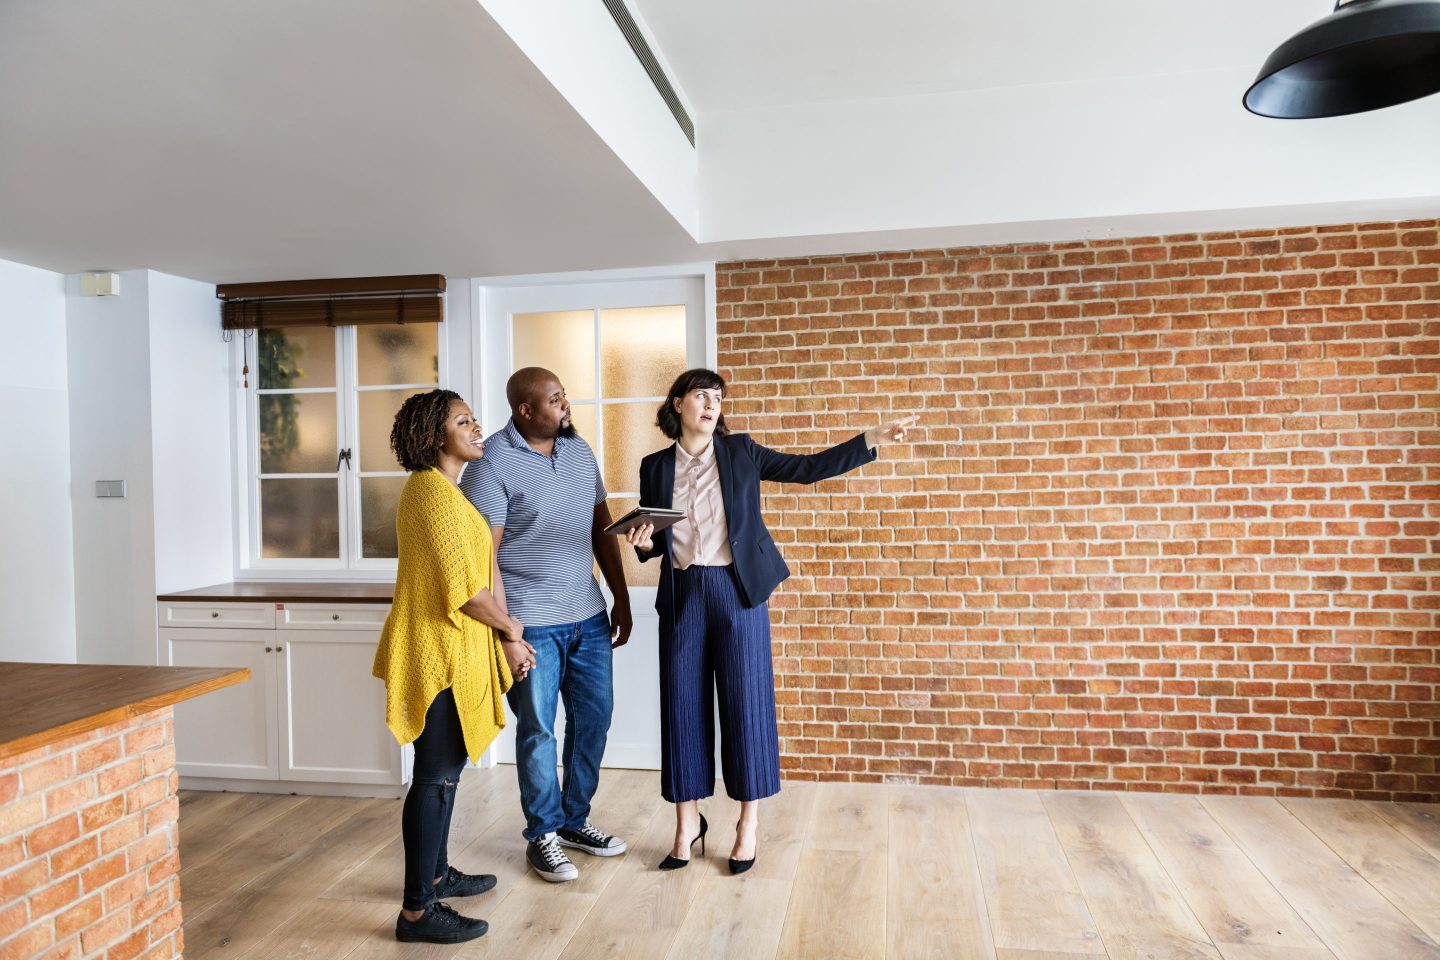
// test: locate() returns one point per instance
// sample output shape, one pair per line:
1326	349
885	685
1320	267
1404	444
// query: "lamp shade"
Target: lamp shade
1366	55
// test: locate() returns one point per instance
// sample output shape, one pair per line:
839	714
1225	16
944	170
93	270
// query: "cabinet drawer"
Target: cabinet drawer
256	616
330	616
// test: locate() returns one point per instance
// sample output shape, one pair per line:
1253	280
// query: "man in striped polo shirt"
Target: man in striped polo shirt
539	486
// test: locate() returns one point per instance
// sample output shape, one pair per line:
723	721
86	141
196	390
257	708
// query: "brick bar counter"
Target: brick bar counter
89	846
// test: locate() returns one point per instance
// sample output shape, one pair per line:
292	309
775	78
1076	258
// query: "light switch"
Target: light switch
109	488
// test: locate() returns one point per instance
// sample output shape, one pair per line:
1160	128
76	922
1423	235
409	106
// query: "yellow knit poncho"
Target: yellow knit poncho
427	644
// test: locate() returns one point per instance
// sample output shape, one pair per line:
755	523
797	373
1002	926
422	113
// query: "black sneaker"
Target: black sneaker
439	924
547	859
592	841
457	884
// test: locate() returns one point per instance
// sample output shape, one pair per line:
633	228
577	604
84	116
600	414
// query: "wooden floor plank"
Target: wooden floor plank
843	871
837	906
936	903
254	854
1353	919
325	930
1137	909
639	912
744	915
292	884
535	921
1033	900
1406	874
1418	821
1243	914
851	816
228	822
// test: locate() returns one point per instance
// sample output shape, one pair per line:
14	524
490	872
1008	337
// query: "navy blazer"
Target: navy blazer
742	464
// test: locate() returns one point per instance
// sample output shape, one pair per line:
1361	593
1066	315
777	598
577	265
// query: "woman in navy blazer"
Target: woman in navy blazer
714	623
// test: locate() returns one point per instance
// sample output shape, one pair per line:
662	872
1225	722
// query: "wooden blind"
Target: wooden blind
332	303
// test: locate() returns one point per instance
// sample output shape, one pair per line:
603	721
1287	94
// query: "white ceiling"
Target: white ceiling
743	54
274	139
233	140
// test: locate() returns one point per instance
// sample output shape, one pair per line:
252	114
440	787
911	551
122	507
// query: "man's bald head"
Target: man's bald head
538	407
528	385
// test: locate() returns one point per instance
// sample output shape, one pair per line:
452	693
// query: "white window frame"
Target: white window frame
245	408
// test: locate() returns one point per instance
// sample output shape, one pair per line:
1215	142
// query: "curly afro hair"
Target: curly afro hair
420	428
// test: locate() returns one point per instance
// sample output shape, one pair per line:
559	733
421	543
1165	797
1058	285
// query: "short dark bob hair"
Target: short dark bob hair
420	428
668	420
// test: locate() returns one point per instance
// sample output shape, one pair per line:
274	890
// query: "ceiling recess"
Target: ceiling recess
627	26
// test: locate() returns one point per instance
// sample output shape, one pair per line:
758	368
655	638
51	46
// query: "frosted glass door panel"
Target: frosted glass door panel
397	353
300	518
379	497
377	420
297	432
562	342
630	434
295	358
582	415
642	350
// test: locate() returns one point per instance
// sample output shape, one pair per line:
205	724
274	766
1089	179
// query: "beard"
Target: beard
566	429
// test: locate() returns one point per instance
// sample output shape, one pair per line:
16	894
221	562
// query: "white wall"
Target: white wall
37	574
149	376
109	364
190	435
1176	147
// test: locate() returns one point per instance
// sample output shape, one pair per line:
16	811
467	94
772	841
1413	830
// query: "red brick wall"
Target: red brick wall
88	846
1171	521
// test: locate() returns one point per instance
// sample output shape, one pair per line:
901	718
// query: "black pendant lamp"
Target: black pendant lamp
1366	55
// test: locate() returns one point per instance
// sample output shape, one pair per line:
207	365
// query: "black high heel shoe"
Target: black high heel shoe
740	866
675	863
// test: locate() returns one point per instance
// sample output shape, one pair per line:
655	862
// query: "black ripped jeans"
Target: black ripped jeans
425	821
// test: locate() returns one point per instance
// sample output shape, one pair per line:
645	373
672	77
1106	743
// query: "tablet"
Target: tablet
661	517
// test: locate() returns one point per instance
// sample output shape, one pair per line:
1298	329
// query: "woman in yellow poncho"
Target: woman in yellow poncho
448	651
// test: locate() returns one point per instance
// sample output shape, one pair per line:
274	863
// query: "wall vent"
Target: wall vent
627	26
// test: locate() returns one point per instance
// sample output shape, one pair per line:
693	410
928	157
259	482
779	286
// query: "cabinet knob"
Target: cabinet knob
334	616
268	650
214	614
279	647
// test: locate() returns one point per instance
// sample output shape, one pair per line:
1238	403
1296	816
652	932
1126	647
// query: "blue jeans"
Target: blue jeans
572	661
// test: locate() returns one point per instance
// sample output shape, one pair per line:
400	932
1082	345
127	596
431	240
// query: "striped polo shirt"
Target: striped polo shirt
547	506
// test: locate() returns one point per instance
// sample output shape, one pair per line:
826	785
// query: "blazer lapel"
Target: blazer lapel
727	478
665	482
665	487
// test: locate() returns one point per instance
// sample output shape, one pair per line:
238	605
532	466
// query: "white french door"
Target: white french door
616	348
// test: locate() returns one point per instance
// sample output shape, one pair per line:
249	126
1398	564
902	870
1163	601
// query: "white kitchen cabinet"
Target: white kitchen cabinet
311	719
231	734
332	727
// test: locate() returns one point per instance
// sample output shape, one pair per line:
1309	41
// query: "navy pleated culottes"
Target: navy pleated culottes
717	644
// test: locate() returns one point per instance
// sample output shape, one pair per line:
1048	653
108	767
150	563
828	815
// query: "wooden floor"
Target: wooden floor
845	870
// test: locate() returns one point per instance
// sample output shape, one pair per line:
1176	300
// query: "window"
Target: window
323	482
616	365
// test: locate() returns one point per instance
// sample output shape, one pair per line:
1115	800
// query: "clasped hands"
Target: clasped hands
518	654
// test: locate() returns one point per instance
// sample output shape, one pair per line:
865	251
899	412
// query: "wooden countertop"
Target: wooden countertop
48	702
288	592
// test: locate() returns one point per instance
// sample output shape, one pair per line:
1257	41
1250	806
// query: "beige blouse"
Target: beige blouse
703	537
